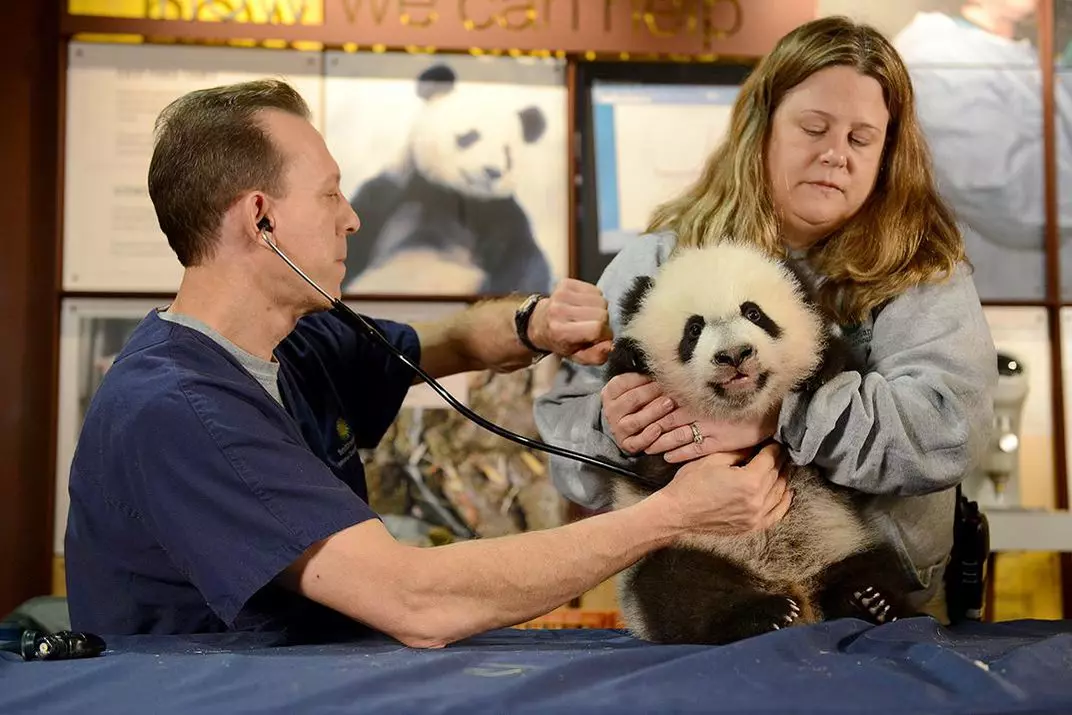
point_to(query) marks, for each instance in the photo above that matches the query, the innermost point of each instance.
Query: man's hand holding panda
(573, 322)
(642, 419)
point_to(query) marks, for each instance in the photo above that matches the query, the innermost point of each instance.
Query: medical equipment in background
(996, 482)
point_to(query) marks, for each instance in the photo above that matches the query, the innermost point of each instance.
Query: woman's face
(824, 152)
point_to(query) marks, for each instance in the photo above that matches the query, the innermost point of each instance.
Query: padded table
(846, 666)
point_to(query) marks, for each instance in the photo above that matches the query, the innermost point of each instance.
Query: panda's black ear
(834, 359)
(434, 81)
(629, 303)
(804, 281)
(533, 124)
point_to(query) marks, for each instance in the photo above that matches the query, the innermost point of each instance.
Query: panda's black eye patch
(753, 313)
(468, 139)
(694, 327)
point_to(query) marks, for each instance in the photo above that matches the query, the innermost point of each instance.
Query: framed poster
(646, 132)
(111, 239)
(976, 74)
(92, 332)
(457, 169)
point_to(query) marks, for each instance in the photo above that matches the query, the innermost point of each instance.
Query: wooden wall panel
(29, 58)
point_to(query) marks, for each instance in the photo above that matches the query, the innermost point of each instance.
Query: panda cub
(728, 332)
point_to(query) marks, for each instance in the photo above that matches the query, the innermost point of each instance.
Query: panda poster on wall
(457, 169)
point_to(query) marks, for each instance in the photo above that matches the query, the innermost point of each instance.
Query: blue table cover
(846, 666)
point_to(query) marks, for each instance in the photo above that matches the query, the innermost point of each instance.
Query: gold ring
(696, 436)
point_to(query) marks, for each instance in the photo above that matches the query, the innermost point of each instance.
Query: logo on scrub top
(342, 429)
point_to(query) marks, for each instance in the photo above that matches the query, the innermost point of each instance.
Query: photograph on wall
(651, 143)
(111, 238)
(92, 332)
(457, 169)
(978, 83)
(1022, 408)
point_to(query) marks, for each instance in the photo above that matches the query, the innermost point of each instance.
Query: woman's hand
(683, 438)
(633, 406)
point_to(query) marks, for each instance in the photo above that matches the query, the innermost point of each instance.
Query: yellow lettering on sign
(517, 15)
(467, 20)
(673, 12)
(528, 12)
(353, 9)
(426, 20)
(280, 12)
(671, 18)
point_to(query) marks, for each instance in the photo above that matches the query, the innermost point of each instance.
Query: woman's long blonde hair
(903, 235)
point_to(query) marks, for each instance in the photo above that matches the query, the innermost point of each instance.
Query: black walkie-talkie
(965, 577)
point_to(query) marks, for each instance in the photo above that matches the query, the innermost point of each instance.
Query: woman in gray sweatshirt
(824, 162)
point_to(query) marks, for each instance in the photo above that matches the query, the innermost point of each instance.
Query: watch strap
(522, 318)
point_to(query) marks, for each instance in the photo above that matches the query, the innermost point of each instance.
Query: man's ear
(255, 214)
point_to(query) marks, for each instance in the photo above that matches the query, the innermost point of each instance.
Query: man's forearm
(480, 337)
(463, 589)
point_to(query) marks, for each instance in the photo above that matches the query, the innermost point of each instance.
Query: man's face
(312, 218)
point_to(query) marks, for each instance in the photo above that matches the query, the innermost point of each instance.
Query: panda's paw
(790, 617)
(870, 600)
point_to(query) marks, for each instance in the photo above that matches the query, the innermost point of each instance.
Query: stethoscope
(362, 326)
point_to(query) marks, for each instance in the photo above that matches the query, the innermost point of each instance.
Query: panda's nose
(492, 173)
(734, 356)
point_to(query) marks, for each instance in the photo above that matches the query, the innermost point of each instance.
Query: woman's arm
(916, 419)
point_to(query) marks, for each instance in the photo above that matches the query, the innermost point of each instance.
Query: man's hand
(712, 495)
(573, 323)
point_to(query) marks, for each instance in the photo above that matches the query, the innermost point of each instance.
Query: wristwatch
(522, 316)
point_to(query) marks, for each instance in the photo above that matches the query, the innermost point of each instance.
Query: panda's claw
(789, 618)
(873, 602)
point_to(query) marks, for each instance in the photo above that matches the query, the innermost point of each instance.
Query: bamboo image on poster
(438, 477)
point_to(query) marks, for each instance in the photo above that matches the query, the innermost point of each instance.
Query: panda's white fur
(823, 527)
(715, 283)
(477, 158)
(451, 197)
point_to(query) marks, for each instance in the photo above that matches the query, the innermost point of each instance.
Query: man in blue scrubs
(216, 483)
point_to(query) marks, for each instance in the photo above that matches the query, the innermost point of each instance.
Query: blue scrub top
(192, 488)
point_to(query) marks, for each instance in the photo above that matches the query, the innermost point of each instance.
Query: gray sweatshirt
(903, 424)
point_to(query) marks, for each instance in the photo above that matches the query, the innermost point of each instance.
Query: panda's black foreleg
(625, 356)
(869, 585)
(686, 595)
